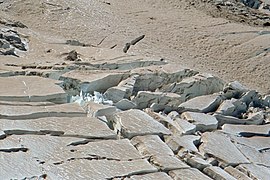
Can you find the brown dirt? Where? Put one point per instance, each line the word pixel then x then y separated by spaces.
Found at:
pixel 191 33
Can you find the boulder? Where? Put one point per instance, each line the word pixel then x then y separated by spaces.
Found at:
pixel 31 89
pixel 218 145
pixel 99 169
pixel 167 163
pixel 266 100
pixel 255 148
pixel 197 162
pixel 96 110
pixel 218 173
pixel 234 90
pixel 151 145
pixel 203 122
pixel 186 142
pixel 34 111
pixel 204 104
pixel 188 174
pixel 125 104
pixel 255 118
pixel 136 122
pixel 157 175
pixel 82 127
pixel 232 107
pixel 198 85
pixel 255 171
pixel 247 130
pixel 251 98
pixel 162 101
pixel 182 127
pixel 236 173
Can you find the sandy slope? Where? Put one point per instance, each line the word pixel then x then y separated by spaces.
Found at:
pixel 174 30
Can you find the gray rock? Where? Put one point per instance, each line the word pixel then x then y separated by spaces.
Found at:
pixel 136 122
pixel 251 97
pixel 161 155
pixel 2 134
pixel 99 81
pixel 99 169
pixel 246 130
pixel 73 127
pixel 182 127
pixel 236 173
pixel 117 150
pixel 123 90
pixel 151 176
pixel 173 114
pixel 232 107
pixel 50 149
pixel 95 109
pixel 186 142
pixel 155 78
pixel 255 171
pixel 255 118
pixel 255 148
pixel 188 174
pixel 115 93
pixel 204 104
pixel 151 145
pixel 234 90
pixel 167 163
pixel 197 162
pixel 217 145
pixel 203 122
pixel 32 111
pixel 218 173
pixel 198 85
pixel 31 88
pixel 20 166
pixel 266 100
pixel 125 104
pixel 165 101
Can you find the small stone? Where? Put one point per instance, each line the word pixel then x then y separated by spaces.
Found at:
pixel 203 122
pixel 188 174
pixel 204 104
pixel 218 173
